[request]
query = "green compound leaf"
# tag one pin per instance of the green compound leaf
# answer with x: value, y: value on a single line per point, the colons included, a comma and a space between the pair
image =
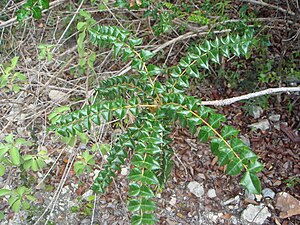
x: 44, y: 4
x: 143, y: 204
x: 147, y: 205
x: 224, y: 154
x: 215, y: 120
x: 148, y: 162
x: 37, y: 12
x: 149, y: 177
x: 156, y: 99
x: 251, y: 182
x: 135, y: 174
x: 134, y: 42
x: 15, y: 155
x: 86, y: 123
x: 120, y: 113
x: 255, y: 167
x: 229, y: 132
x: 238, y: 145
x: 193, y: 71
x: 205, y: 133
x: 134, y: 205
x: 134, y: 190
x: 146, y: 218
x: 117, y: 48
x: 234, y: 167
x: 2, y: 170
x: 146, y: 55
x: 96, y: 119
x: 146, y: 192
x: 106, y: 114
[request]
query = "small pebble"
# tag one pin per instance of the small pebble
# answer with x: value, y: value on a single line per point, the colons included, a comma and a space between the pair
x: 173, y: 201
x: 234, y: 200
x: 196, y: 188
x: 268, y: 193
x: 211, y: 193
x: 274, y: 118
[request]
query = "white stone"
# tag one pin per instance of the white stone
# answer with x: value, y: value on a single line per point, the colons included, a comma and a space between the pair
x: 173, y: 201
x: 56, y: 95
x: 212, y: 216
x: 211, y: 193
x: 277, y: 126
x: 268, y: 193
x: 262, y: 125
x: 234, y: 201
x: 124, y: 171
x: 255, y: 214
x: 274, y: 118
x: 258, y: 197
x: 196, y: 188
x: 256, y: 111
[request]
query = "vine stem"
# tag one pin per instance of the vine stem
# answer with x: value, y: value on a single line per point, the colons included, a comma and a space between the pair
x: 230, y: 101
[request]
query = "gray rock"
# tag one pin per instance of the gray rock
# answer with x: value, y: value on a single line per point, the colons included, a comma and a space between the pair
x: 256, y: 111
x: 85, y: 222
x: 124, y: 171
x: 211, y: 193
x: 234, y: 201
x: 262, y: 125
x: 255, y: 214
x: 268, y: 193
x: 274, y: 118
x: 249, y: 195
x: 196, y: 188
x: 277, y: 126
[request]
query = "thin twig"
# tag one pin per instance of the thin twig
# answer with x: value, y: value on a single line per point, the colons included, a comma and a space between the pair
x: 67, y: 28
x: 94, y: 209
x: 268, y: 91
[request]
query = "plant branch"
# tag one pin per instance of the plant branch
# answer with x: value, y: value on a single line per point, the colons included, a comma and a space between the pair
x: 270, y: 6
x: 12, y: 21
x: 268, y: 91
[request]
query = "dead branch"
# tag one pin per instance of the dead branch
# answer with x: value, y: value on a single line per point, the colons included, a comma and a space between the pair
x: 268, y: 91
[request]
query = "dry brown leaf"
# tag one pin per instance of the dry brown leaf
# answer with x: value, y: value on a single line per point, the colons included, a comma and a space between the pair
x: 287, y: 204
x: 226, y: 216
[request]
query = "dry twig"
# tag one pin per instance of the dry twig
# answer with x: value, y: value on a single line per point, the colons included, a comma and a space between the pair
x: 268, y: 91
